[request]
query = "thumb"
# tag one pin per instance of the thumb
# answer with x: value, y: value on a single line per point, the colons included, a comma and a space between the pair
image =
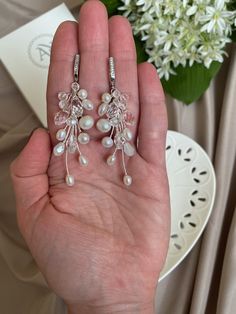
x: 29, y: 173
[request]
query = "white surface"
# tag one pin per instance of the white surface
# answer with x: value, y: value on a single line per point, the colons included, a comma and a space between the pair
x: 26, y: 55
x: 192, y: 190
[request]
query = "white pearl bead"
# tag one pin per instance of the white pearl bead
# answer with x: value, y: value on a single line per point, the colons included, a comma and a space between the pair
x: 107, y: 142
x: 83, y: 138
x: 128, y: 134
x: 127, y: 180
x: 83, y: 161
x: 70, y: 180
x: 86, y: 122
x: 87, y: 104
x: 106, y: 97
x: 102, y: 109
x: 103, y: 125
x: 82, y: 94
x: 61, y: 134
x: 59, y: 149
x: 111, y: 160
x: 129, y: 149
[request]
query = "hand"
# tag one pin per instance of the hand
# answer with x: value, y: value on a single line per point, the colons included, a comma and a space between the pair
x: 100, y: 244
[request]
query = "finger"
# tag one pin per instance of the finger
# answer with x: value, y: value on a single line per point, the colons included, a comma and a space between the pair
x: 60, y: 76
x: 29, y: 171
x: 122, y: 48
x: 153, y: 115
x: 94, y: 50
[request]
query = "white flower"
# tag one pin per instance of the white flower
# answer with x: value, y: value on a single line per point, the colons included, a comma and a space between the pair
x: 217, y: 18
x: 194, y: 56
x: 127, y: 7
x: 192, y: 10
x: 182, y: 32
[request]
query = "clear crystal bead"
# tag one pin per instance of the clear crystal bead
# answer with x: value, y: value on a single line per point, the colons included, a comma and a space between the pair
x: 119, y: 140
x: 114, y: 121
x: 72, y: 147
x: 75, y: 86
x: 129, y: 149
x: 77, y: 111
x: 60, y: 117
x: 72, y: 138
x: 113, y: 110
x: 129, y: 118
x: 116, y: 93
x: 122, y: 106
x: 124, y: 98
x: 75, y: 101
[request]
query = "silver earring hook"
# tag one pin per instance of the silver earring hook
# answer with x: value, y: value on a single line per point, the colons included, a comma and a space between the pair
x: 76, y: 67
x: 112, y: 72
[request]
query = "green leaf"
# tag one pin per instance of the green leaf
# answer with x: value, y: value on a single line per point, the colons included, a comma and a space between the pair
x: 233, y: 35
x: 141, y: 54
x: 190, y: 82
x: 112, y: 6
x: 232, y: 7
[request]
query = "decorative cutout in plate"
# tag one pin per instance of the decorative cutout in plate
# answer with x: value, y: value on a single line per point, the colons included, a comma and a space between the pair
x: 192, y: 192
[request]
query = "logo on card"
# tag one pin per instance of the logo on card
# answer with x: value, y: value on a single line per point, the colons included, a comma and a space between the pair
x: 39, y: 50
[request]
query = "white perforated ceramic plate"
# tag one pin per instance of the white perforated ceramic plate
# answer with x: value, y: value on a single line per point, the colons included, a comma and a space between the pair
x: 192, y: 192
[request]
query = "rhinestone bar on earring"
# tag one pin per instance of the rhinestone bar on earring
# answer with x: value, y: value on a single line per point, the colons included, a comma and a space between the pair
x: 117, y: 118
x: 71, y: 116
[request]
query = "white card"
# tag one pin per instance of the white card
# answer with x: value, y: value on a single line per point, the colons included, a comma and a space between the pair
x: 26, y: 55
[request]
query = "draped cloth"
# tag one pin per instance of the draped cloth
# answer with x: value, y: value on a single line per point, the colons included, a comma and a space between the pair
x: 205, y: 282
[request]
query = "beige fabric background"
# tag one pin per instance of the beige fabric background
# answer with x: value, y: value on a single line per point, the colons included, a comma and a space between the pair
x: 205, y: 282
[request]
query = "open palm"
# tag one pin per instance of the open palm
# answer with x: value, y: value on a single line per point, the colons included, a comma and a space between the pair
x: 100, y: 244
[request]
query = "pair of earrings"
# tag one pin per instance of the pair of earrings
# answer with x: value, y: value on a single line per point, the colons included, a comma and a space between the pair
x: 114, y: 118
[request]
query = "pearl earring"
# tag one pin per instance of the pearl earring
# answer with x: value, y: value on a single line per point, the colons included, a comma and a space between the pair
x: 116, y: 121
x: 72, y: 116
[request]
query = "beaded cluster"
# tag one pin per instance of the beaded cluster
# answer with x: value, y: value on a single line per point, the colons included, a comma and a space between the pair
x: 116, y: 119
x: 75, y: 123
